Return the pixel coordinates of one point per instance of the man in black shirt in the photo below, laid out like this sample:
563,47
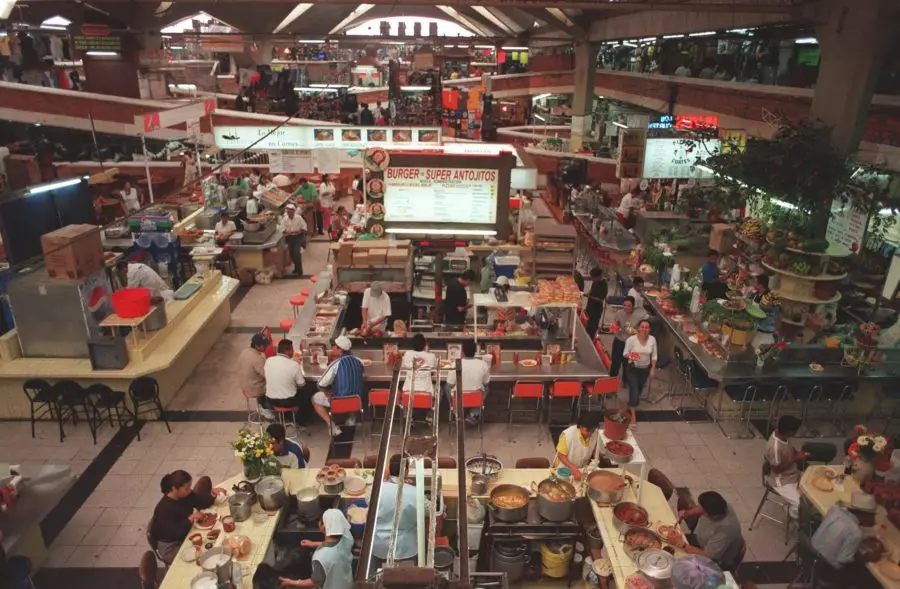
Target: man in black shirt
457,300
596,299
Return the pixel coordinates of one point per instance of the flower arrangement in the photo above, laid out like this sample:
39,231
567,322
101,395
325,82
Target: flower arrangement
255,451
680,294
765,352
867,446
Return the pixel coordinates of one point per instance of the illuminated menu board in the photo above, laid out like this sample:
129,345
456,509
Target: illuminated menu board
440,195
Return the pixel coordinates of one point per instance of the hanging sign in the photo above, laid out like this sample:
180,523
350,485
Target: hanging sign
441,195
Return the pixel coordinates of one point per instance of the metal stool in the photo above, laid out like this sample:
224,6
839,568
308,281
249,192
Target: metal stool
377,398
350,405
297,302
602,387
564,389
470,400
742,397
525,390
254,416
280,418
780,502
420,400
285,325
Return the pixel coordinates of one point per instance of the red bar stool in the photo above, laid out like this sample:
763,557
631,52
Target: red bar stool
314,278
254,417
285,325
564,389
280,413
304,292
348,406
608,386
470,400
525,390
377,398
424,401
297,302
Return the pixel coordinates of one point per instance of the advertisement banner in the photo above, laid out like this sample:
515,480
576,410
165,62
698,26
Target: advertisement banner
440,195
674,158
295,137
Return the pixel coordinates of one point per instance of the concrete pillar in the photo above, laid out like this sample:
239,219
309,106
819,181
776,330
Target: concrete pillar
853,37
583,99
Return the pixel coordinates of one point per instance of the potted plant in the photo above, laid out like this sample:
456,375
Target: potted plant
615,424
255,452
863,452
680,294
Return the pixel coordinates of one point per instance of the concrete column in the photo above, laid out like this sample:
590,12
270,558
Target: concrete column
853,37
583,99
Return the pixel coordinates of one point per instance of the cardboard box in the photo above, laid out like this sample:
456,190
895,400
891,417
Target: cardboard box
360,258
377,256
345,255
396,257
722,238
72,252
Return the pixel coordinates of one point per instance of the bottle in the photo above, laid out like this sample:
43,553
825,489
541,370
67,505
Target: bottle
848,466
695,300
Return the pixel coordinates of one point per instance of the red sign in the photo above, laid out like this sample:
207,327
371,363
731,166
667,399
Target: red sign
209,106
151,122
696,122
94,30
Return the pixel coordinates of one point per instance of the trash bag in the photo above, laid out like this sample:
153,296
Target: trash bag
696,572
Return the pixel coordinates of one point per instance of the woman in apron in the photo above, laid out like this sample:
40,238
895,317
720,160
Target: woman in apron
578,444
332,562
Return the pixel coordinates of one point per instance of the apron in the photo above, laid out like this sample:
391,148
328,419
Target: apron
337,561
578,454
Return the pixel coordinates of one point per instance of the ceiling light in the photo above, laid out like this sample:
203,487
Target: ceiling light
311,42
57,21
102,53
738,31
484,46
806,41
415,88
292,16
310,89
54,186
329,85
618,124
514,48
703,34
672,36
53,27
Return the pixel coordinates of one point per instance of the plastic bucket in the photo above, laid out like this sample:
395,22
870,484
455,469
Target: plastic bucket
356,529
555,559
129,303
615,430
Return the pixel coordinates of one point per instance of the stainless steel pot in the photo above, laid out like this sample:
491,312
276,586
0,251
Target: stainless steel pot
308,506
251,226
602,494
239,505
624,525
507,514
656,565
270,493
510,558
551,508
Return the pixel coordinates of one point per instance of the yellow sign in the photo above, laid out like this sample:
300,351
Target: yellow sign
733,140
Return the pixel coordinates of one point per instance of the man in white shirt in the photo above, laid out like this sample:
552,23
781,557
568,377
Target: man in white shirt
130,198
476,374
627,206
637,291
136,275
376,308
225,227
283,376
294,228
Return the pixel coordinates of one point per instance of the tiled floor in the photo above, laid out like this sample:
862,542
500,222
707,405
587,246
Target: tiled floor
107,531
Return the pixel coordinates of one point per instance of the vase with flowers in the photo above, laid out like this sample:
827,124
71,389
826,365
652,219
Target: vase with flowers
255,452
680,294
864,451
766,352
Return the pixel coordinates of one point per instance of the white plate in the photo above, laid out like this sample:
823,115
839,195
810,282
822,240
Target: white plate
205,581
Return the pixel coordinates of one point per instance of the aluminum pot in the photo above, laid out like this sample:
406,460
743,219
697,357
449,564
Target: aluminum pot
626,507
239,505
656,565
270,493
510,558
606,487
251,226
510,514
308,506
554,509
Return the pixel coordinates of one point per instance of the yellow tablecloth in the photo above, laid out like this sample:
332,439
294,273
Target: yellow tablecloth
887,532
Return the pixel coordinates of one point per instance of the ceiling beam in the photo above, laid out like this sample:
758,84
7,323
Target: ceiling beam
554,23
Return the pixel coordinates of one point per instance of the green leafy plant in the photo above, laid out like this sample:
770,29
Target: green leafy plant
655,257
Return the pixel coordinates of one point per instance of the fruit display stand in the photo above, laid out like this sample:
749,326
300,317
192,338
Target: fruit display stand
806,285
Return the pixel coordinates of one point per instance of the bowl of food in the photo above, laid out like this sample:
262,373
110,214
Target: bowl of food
354,485
627,514
637,539
206,521
619,452
670,534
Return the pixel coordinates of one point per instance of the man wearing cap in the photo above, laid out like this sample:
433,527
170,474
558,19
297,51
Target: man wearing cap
376,308
840,534
294,228
343,377
251,370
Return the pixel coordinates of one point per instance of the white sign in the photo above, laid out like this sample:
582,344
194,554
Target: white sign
846,227
328,161
670,158
295,137
291,161
440,195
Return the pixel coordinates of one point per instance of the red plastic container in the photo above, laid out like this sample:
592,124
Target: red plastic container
615,430
129,303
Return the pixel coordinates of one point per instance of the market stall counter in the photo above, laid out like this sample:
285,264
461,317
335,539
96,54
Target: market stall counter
169,355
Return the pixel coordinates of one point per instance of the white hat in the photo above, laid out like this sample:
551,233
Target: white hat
863,502
503,281
290,206
343,342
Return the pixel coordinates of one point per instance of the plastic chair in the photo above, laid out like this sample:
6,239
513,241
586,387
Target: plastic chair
525,390
107,400
771,496
565,389
349,406
72,399
254,416
144,393
533,462
42,401
602,387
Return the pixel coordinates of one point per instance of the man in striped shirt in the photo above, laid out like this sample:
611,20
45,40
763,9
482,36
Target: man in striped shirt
343,377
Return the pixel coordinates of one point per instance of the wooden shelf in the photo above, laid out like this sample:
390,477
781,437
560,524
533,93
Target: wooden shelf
812,277
808,300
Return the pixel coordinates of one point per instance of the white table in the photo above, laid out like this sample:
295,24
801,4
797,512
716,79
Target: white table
637,460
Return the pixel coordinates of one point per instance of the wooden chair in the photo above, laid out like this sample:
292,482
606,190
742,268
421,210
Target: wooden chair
446,462
533,462
657,477
344,462
370,461
147,570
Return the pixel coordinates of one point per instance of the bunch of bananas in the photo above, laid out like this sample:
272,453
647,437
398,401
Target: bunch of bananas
770,299
752,228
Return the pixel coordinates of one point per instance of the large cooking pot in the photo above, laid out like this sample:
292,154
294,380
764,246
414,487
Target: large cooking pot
627,515
606,487
656,565
510,558
555,499
510,514
270,493
308,506
239,505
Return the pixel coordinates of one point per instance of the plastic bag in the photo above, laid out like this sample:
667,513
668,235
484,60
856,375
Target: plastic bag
696,572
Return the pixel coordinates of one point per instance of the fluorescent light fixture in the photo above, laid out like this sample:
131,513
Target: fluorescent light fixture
738,31
292,16
53,27
540,117
539,96
56,21
308,89
176,46
6,7
430,231
618,124
514,48
415,88
484,46
329,85
672,36
494,20
706,169
37,124
54,186
703,34
310,42
166,36
785,205
806,41
647,39
451,45
627,45
364,68
357,12
102,53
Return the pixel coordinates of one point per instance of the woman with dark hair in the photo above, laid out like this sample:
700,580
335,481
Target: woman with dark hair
177,510
641,353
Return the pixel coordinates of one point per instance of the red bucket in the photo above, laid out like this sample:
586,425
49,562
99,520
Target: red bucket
129,303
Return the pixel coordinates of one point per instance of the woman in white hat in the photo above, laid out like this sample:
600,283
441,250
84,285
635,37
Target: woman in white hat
332,562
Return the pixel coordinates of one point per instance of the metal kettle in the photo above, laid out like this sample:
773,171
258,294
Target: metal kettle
246,487
240,505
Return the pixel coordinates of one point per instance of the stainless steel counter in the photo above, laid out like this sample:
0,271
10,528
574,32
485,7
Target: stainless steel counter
616,239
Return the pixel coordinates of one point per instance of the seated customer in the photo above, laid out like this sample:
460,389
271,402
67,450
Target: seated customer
424,362
840,534
783,461
406,546
175,512
284,376
579,443
717,530
288,452
476,374
251,371
344,378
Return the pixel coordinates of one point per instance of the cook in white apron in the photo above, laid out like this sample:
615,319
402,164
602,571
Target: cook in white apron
578,444
332,562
